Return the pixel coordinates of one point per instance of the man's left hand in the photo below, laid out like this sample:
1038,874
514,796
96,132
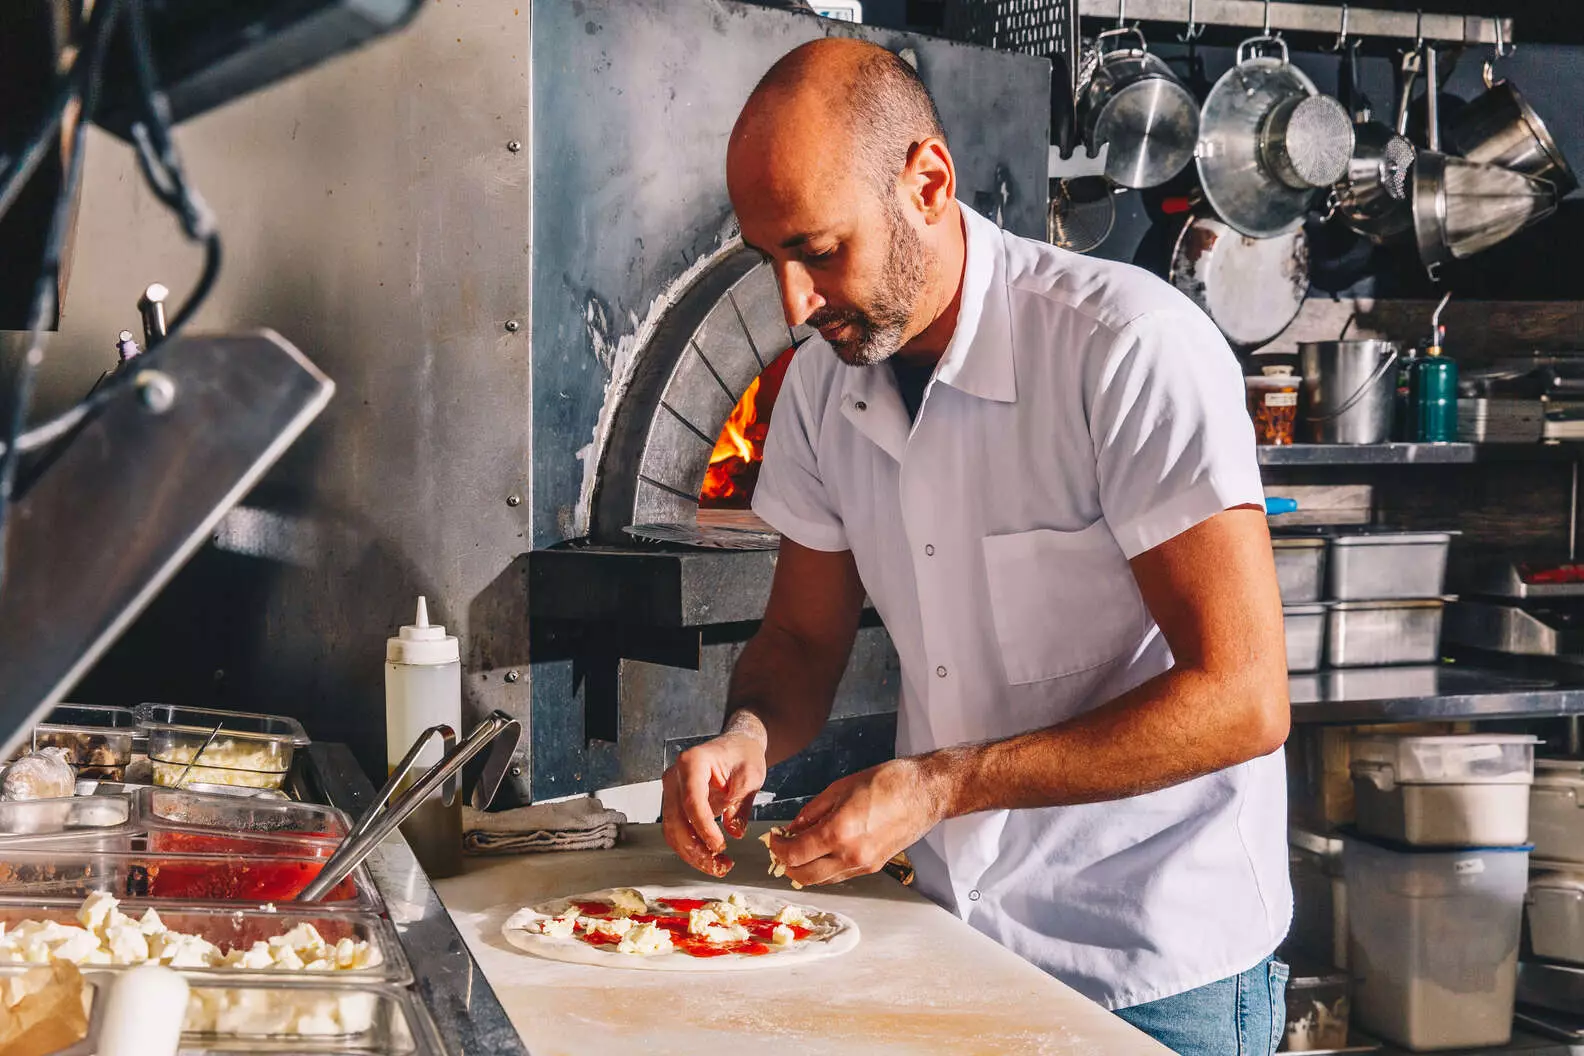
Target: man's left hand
859,823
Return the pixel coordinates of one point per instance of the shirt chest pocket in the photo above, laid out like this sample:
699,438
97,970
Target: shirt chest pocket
1062,602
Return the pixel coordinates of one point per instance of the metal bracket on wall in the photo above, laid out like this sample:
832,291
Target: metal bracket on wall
1309,18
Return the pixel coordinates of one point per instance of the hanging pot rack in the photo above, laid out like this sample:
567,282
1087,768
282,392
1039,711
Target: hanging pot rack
1343,21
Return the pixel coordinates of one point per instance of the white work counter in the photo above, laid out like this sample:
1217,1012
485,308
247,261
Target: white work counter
920,981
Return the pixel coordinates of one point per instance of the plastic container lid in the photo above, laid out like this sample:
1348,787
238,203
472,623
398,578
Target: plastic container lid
1476,758
1272,382
421,642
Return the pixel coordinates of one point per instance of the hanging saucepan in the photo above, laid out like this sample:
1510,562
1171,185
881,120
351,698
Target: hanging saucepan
1137,106
1252,288
1372,196
1463,207
1501,128
1268,141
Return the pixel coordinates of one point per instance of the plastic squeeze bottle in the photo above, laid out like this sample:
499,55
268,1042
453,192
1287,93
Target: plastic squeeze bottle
423,687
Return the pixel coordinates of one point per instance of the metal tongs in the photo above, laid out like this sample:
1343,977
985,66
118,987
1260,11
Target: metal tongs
377,822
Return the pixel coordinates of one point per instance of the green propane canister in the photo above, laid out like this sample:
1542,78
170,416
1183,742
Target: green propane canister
1432,388
1433,398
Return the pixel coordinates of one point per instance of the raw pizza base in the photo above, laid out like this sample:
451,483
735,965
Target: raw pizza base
834,934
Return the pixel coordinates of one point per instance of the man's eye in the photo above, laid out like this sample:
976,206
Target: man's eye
824,254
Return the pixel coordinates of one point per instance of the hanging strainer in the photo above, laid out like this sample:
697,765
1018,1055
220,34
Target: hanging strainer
1082,212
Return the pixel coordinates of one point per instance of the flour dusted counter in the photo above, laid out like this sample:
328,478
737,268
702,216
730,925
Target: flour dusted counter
919,981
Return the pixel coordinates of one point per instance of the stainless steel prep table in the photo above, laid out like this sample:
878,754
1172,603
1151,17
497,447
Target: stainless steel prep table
920,981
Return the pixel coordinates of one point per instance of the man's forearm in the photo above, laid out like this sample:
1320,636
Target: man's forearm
781,692
1177,726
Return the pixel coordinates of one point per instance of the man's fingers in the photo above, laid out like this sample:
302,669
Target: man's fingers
683,839
695,791
827,870
735,818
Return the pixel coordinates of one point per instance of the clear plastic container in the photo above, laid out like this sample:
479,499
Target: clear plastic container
239,929
99,739
1469,790
1273,405
1319,926
1555,906
1556,810
306,1018
1433,943
1317,1012
200,823
108,822
251,750
35,871
297,1017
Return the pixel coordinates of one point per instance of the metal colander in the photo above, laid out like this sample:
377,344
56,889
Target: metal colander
1397,167
1308,141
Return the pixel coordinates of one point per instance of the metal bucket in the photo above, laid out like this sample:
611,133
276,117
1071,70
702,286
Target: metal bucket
1349,389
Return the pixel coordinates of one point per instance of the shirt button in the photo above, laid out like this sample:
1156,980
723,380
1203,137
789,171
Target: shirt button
973,896
929,551
940,672
861,405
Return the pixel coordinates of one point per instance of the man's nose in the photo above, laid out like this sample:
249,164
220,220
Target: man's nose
799,299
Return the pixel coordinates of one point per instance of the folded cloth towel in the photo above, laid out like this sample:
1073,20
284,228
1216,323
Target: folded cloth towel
570,825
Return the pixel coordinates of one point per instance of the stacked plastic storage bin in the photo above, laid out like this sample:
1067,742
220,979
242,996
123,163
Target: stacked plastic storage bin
1551,977
1436,875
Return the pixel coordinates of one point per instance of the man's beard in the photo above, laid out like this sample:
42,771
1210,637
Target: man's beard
874,334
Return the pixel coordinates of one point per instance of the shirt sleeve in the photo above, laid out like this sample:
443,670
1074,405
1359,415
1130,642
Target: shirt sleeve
1173,441
789,494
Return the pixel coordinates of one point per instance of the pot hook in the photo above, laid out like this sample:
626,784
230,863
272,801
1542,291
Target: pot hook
1192,31
1342,33
1121,14
1503,48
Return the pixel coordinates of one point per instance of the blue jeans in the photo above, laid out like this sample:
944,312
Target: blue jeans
1244,1015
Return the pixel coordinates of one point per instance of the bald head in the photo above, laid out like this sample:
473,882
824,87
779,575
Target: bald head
851,93
840,176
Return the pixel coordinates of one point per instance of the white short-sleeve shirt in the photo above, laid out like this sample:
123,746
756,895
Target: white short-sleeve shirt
1083,413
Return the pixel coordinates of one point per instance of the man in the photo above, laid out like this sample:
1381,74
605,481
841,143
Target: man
1038,467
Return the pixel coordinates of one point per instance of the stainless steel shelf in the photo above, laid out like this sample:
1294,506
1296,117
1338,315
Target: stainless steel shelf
1436,692
1365,454
1415,454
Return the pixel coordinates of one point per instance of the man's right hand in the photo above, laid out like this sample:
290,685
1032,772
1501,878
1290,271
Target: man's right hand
718,777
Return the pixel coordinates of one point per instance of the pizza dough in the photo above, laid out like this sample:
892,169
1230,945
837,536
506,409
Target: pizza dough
829,934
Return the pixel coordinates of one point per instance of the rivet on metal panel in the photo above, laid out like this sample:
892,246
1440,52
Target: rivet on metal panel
516,771
514,500
156,390
512,676
513,326
514,146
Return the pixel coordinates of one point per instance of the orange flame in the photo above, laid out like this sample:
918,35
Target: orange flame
734,464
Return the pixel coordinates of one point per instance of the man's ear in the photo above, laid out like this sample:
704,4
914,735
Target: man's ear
930,178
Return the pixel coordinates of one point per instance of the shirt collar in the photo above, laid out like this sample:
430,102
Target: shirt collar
978,358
